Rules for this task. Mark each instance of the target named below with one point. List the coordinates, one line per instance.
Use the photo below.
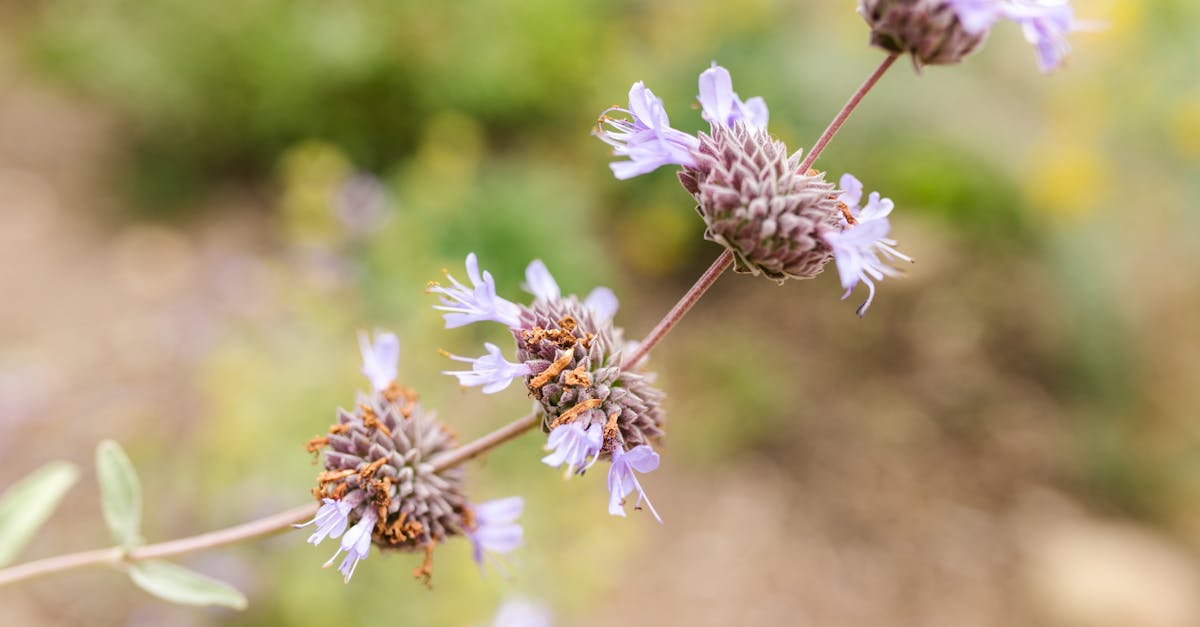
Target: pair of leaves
(121, 499)
(28, 504)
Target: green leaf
(27, 504)
(174, 583)
(120, 494)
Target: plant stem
(480, 445)
(847, 109)
(252, 530)
(115, 555)
(681, 308)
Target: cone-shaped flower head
(930, 30)
(379, 485)
(777, 221)
(570, 356)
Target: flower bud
(758, 205)
(929, 30)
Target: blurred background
(200, 203)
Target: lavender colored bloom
(496, 529)
(647, 139)
(539, 282)
(475, 304)
(977, 16)
(1045, 25)
(571, 444)
(522, 613)
(622, 481)
(603, 302)
(380, 358)
(721, 105)
(331, 520)
(491, 371)
(857, 249)
(356, 543)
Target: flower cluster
(778, 221)
(593, 405)
(381, 484)
(944, 31)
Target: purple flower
(622, 481)
(522, 613)
(603, 302)
(380, 358)
(331, 520)
(540, 283)
(721, 105)
(571, 444)
(976, 16)
(356, 543)
(476, 304)
(858, 247)
(491, 371)
(496, 529)
(647, 139)
(1045, 23)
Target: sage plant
(392, 475)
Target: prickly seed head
(575, 359)
(929, 30)
(757, 204)
(377, 458)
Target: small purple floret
(647, 138)
(572, 445)
(477, 303)
(496, 529)
(622, 481)
(1045, 23)
(380, 358)
(603, 303)
(491, 371)
(721, 105)
(331, 520)
(540, 283)
(356, 543)
(858, 248)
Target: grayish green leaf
(174, 583)
(27, 504)
(120, 494)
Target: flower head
(926, 29)
(496, 529)
(646, 138)
(572, 444)
(475, 304)
(491, 371)
(379, 485)
(863, 250)
(622, 481)
(380, 358)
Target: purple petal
(380, 358)
(540, 283)
(603, 302)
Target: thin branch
(681, 308)
(847, 109)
